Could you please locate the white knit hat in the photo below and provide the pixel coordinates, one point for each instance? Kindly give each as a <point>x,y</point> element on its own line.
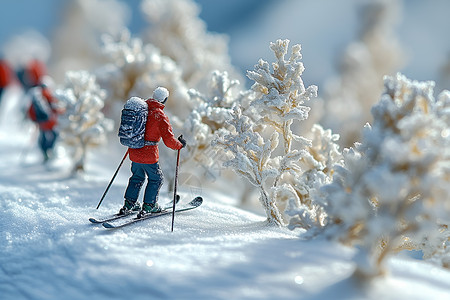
<point>160,94</point>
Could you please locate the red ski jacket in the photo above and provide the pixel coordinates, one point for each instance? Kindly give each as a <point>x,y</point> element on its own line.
<point>5,76</point>
<point>51,123</point>
<point>157,127</point>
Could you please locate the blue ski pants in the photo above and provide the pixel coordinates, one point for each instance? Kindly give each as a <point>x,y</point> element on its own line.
<point>140,172</point>
<point>46,141</point>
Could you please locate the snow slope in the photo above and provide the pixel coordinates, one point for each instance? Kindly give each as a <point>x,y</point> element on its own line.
<point>49,250</point>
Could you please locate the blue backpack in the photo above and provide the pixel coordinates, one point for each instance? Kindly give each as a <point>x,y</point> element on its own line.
<point>132,123</point>
<point>40,105</point>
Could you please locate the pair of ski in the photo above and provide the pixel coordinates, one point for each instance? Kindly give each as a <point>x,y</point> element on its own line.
<point>117,221</point>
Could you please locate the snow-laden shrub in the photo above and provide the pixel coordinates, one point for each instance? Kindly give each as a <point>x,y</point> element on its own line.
<point>252,141</point>
<point>250,158</point>
<point>210,113</point>
<point>178,32</point>
<point>317,168</point>
<point>136,69</point>
<point>82,125</point>
<point>281,93</point>
<point>395,185</point>
<point>436,247</point>
<point>349,97</point>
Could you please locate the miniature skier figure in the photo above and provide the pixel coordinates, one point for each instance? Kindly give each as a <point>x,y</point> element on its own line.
<point>43,111</point>
<point>145,157</point>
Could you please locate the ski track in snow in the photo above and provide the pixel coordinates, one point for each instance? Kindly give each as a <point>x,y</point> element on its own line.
<point>49,249</point>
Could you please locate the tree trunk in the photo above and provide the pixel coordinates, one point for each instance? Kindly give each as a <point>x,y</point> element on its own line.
<point>272,212</point>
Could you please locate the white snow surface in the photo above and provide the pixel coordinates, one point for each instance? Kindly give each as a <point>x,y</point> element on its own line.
<point>49,249</point>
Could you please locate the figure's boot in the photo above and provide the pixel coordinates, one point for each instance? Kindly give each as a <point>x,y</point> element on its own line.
<point>149,208</point>
<point>128,206</point>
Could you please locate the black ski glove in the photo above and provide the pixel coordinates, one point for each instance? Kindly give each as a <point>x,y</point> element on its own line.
<point>182,141</point>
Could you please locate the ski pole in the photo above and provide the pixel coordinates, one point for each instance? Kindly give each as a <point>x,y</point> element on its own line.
<point>175,186</point>
<point>114,176</point>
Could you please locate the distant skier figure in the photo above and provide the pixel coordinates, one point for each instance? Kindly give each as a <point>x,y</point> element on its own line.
<point>143,148</point>
<point>43,111</point>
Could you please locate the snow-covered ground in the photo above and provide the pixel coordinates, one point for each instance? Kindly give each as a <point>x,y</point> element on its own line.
<point>49,249</point>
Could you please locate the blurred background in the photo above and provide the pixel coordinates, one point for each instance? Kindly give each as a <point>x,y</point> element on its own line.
<point>324,29</point>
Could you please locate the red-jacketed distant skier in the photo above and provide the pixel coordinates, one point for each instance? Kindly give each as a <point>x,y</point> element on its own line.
<point>44,112</point>
<point>145,159</point>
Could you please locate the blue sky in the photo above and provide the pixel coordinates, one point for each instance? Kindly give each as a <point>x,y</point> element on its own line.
<point>43,15</point>
<point>422,30</point>
<point>19,15</point>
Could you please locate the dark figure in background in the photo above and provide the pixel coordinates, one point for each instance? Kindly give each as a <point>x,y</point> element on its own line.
<point>43,111</point>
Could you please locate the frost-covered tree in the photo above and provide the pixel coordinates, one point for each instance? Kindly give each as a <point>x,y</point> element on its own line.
<point>133,68</point>
<point>83,124</point>
<point>250,157</point>
<point>349,97</point>
<point>210,113</point>
<point>281,93</point>
<point>317,166</point>
<point>176,29</point>
<point>252,143</point>
<point>395,185</point>
<point>436,246</point>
